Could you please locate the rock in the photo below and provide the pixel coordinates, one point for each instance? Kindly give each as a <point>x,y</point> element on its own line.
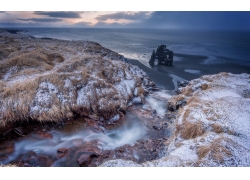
<point>44,161</point>
<point>18,131</point>
<point>84,160</point>
<point>62,152</point>
<point>7,148</point>
<point>183,83</point>
<point>171,108</point>
<point>180,104</point>
<point>44,135</point>
<point>29,158</point>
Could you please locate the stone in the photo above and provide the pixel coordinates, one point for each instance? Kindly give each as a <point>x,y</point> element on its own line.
<point>62,152</point>
<point>84,160</point>
<point>44,135</point>
<point>183,83</point>
<point>44,161</point>
<point>180,104</point>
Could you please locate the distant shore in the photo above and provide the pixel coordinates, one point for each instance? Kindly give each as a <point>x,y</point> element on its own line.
<point>187,67</point>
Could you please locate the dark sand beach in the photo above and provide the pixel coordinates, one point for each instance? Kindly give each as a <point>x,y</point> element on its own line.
<point>187,67</point>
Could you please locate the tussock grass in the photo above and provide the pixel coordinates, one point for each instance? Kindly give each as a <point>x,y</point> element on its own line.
<point>204,86</point>
<point>190,130</point>
<point>215,151</point>
<point>217,128</point>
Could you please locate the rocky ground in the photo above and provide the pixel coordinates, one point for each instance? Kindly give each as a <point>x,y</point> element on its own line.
<point>212,126</point>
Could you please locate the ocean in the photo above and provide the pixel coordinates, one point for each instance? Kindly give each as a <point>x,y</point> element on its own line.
<point>217,46</point>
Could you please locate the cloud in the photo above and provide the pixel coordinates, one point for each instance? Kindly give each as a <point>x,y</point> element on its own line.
<point>82,24</point>
<point>110,25</point>
<point>41,20</point>
<point>59,14</point>
<point>198,20</point>
<point>136,16</point>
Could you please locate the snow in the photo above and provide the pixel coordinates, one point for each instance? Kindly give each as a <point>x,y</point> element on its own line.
<point>83,95</point>
<point>76,81</point>
<point>120,163</point>
<point>125,87</point>
<point>224,102</point>
<point>137,100</point>
<point>114,119</point>
<point>192,71</point>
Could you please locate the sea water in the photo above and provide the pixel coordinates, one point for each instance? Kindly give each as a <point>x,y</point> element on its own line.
<point>139,43</point>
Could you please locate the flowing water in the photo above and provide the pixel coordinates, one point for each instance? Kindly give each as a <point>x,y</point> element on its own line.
<point>79,134</point>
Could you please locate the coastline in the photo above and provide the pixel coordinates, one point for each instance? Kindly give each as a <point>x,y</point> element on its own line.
<point>137,86</point>
<point>188,67</point>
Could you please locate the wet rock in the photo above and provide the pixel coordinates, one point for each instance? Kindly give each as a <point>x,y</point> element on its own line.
<point>180,104</point>
<point>178,91</point>
<point>8,148</point>
<point>154,113</point>
<point>62,152</point>
<point>29,158</point>
<point>95,151</point>
<point>44,135</point>
<point>157,127</point>
<point>44,161</point>
<point>84,160</point>
<point>183,83</point>
<point>18,131</point>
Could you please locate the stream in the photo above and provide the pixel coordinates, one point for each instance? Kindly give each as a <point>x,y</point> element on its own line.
<point>139,137</point>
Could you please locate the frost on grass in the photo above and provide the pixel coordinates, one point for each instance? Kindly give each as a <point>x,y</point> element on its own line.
<point>213,129</point>
<point>51,80</point>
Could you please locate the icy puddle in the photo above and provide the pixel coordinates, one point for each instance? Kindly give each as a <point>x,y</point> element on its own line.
<point>67,145</point>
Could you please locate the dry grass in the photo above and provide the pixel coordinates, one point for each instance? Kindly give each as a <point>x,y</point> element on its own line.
<point>54,63</point>
<point>215,150</point>
<point>141,91</point>
<point>217,128</point>
<point>204,86</point>
<point>190,130</point>
<point>194,100</point>
<point>187,91</point>
<point>174,99</point>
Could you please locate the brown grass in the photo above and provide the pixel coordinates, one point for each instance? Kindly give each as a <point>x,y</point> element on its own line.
<point>215,150</point>
<point>140,91</point>
<point>204,86</point>
<point>194,100</point>
<point>217,128</point>
<point>191,130</point>
<point>54,63</point>
<point>187,91</point>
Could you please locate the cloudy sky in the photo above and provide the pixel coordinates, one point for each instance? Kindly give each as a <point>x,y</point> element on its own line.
<point>235,20</point>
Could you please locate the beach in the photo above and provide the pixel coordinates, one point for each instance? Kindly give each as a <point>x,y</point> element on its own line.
<point>187,67</point>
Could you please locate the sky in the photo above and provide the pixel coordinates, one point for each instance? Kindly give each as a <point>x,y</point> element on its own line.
<point>224,20</point>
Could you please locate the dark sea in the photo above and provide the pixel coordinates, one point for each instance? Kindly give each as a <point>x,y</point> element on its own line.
<point>218,46</point>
